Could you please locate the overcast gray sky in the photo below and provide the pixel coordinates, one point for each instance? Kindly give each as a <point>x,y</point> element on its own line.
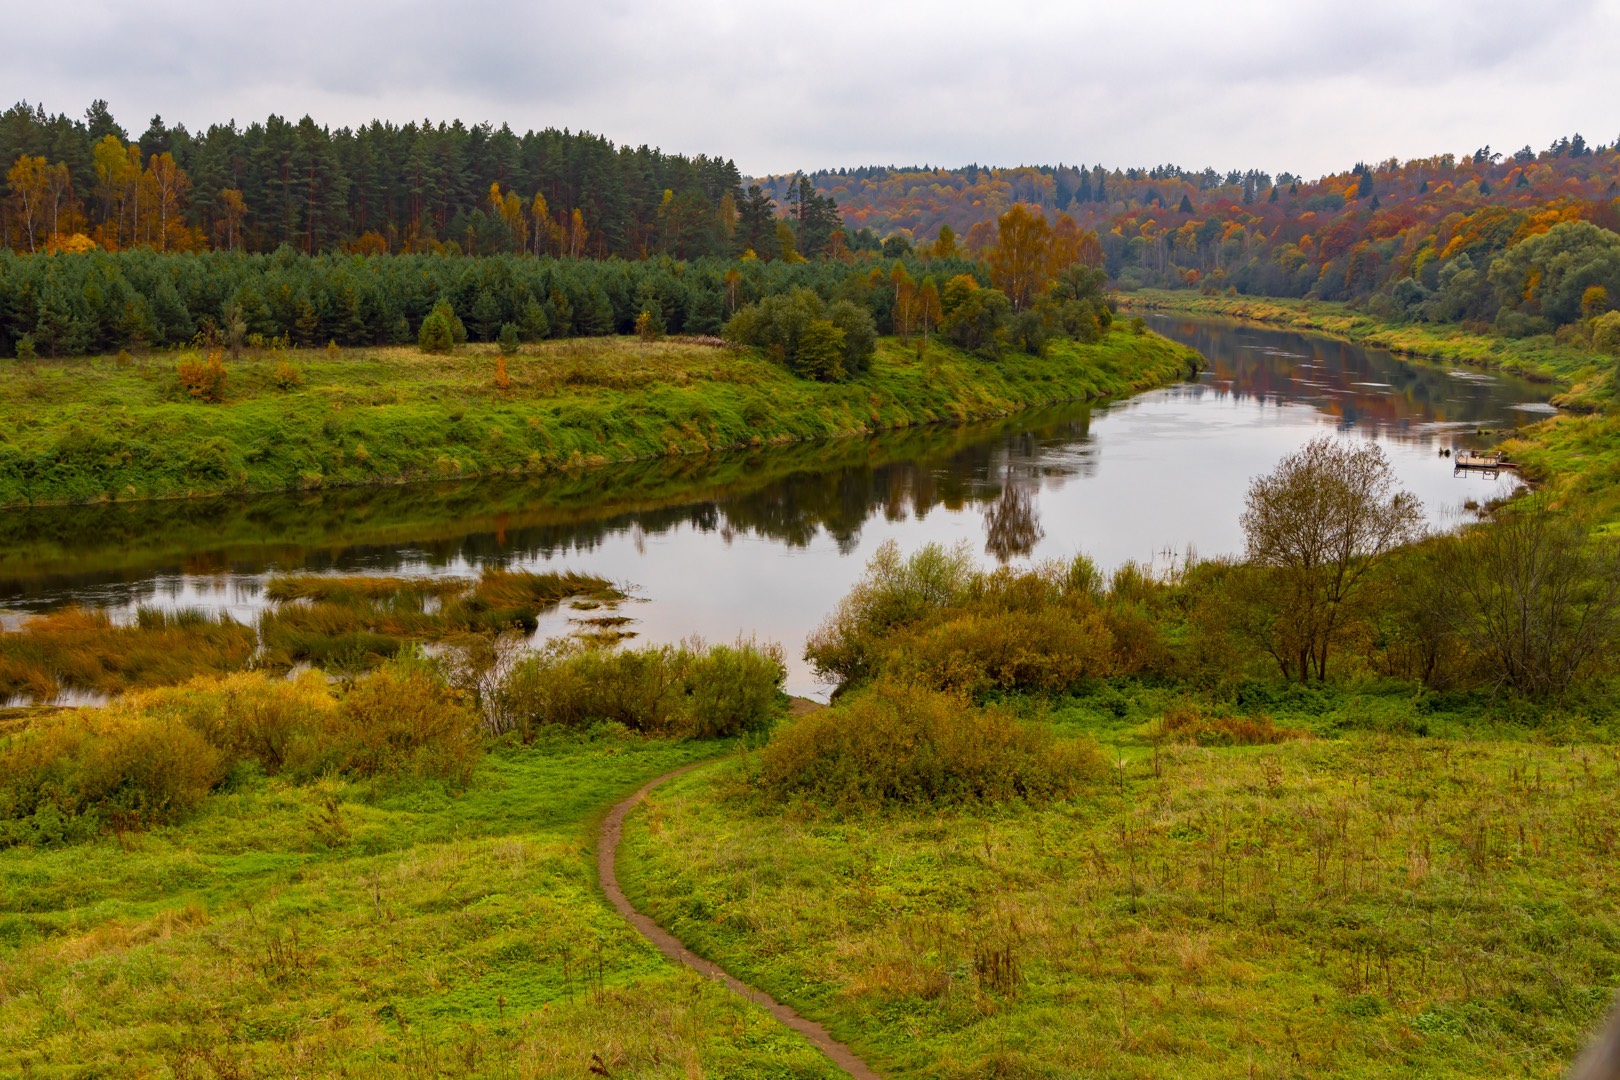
<point>1273,84</point>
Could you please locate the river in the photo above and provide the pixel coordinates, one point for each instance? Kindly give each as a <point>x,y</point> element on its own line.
<point>765,543</point>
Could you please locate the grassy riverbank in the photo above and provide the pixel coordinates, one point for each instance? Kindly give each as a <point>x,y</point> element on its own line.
<point>105,429</point>
<point>1579,369</point>
<point>1577,458</point>
<point>294,529</point>
<point>1318,907</point>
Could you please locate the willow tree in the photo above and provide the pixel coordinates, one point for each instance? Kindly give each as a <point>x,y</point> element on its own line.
<point>1315,526</point>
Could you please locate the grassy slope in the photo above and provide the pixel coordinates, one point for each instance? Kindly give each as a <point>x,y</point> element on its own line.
<point>442,935</point>
<point>1579,457</point>
<point>86,430</point>
<point>1348,908</point>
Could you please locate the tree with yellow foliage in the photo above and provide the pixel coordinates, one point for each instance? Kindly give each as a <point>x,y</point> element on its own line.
<point>25,179</point>
<point>1020,263</point>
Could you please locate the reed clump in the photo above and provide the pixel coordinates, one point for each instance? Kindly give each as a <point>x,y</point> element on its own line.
<point>81,649</point>
<point>358,621</point>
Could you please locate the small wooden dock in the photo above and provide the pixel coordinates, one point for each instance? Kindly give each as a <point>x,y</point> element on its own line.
<point>1483,462</point>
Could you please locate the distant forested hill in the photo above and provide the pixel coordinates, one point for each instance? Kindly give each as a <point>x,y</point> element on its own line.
<point>1348,235</point>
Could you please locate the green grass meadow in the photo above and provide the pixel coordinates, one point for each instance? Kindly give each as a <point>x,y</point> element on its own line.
<point>335,930</point>
<point>1360,907</point>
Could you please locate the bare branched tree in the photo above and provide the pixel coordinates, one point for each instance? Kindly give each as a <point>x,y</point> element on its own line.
<point>1315,526</point>
<point>1540,596</point>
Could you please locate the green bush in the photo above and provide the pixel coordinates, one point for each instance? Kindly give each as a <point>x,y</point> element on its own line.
<point>1045,651</point>
<point>403,719</point>
<point>800,330</point>
<point>975,318</point>
<point>821,352</point>
<point>1606,332</point>
<point>898,744</point>
<point>685,690</point>
<point>102,765</point>
<point>733,689</point>
<point>441,330</point>
<point>894,592</point>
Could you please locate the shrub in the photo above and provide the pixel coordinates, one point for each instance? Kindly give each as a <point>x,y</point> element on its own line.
<point>649,325</point>
<point>895,592</point>
<point>402,719</point>
<point>860,334</point>
<point>1606,332</point>
<point>733,689</point>
<point>821,352</point>
<point>659,690</point>
<point>975,318</point>
<point>898,744</point>
<point>95,764</point>
<point>816,341</point>
<point>204,380</point>
<point>1187,723</point>
<point>1043,651</point>
<point>1030,332</point>
<point>286,377</point>
<point>278,723</point>
<point>153,756</point>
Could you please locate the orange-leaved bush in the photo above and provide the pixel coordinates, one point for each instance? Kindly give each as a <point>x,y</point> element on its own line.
<point>205,379</point>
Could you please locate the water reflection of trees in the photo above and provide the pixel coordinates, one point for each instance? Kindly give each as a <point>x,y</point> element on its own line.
<point>790,495</point>
<point>1402,399</point>
<point>1012,524</point>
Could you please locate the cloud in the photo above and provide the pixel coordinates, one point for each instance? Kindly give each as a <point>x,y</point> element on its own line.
<point>776,86</point>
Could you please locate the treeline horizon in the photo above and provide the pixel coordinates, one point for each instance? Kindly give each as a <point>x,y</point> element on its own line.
<point>381,188</point>
<point>1419,240</point>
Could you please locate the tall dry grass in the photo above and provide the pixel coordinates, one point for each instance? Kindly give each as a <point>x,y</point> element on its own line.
<point>75,648</point>
<point>355,622</point>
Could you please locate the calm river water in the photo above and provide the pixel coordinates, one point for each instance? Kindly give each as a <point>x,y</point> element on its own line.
<point>765,543</point>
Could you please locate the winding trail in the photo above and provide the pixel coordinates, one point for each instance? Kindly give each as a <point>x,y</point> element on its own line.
<point>607,849</point>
